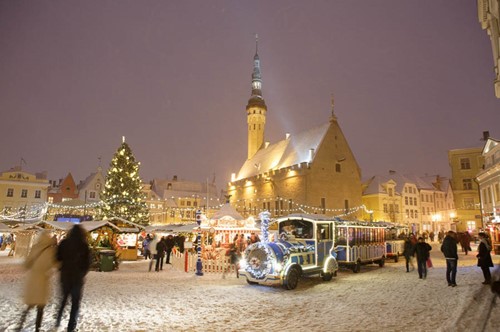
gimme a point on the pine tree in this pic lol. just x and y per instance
(122, 195)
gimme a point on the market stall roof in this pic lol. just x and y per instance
(134, 228)
(90, 226)
(172, 228)
(227, 212)
(25, 227)
(4, 228)
(60, 225)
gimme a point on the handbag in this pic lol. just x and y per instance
(429, 262)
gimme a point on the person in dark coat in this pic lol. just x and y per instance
(465, 242)
(160, 253)
(409, 253)
(169, 245)
(484, 257)
(422, 250)
(74, 255)
(449, 249)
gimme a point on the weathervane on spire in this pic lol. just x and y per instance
(333, 104)
(333, 117)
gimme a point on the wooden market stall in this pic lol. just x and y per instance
(219, 231)
(24, 238)
(126, 239)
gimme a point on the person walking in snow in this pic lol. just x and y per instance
(409, 253)
(484, 257)
(422, 250)
(152, 249)
(40, 262)
(146, 252)
(169, 245)
(74, 254)
(160, 254)
(449, 249)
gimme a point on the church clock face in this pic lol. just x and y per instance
(98, 186)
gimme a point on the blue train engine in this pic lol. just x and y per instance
(302, 247)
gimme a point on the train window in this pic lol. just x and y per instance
(324, 232)
(340, 236)
(297, 228)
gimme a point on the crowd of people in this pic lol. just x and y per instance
(72, 257)
(158, 250)
(419, 248)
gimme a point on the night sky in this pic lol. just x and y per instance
(411, 80)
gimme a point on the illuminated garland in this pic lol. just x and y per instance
(33, 213)
(310, 209)
(264, 228)
(258, 257)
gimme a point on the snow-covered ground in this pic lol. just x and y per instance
(383, 299)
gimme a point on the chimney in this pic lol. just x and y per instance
(438, 182)
(486, 135)
(287, 135)
(266, 144)
(311, 154)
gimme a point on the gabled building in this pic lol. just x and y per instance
(489, 186)
(89, 190)
(421, 203)
(158, 212)
(465, 165)
(182, 198)
(313, 171)
(393, 198)
(23, 195)
(62, 190)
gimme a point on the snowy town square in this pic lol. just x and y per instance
(376, 299)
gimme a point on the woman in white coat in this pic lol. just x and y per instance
(40, 263)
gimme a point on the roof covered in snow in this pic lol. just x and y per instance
(288, 152)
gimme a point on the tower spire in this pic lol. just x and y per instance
(256, 43)
(256, 107)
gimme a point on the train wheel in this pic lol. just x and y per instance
(292, 279)
(327, 276)
(381, 262)
(357, 267)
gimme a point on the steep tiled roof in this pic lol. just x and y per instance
(285, 153)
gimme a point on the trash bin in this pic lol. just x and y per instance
(107, 260)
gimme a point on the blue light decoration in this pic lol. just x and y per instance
(264, 225)
(199, 264)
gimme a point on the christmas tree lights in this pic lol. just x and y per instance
(122, 195)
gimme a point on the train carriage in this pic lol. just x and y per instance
(358, 243)
(394, 240)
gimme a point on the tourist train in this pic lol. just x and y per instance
(306, 245)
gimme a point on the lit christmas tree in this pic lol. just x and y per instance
(122, 195)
